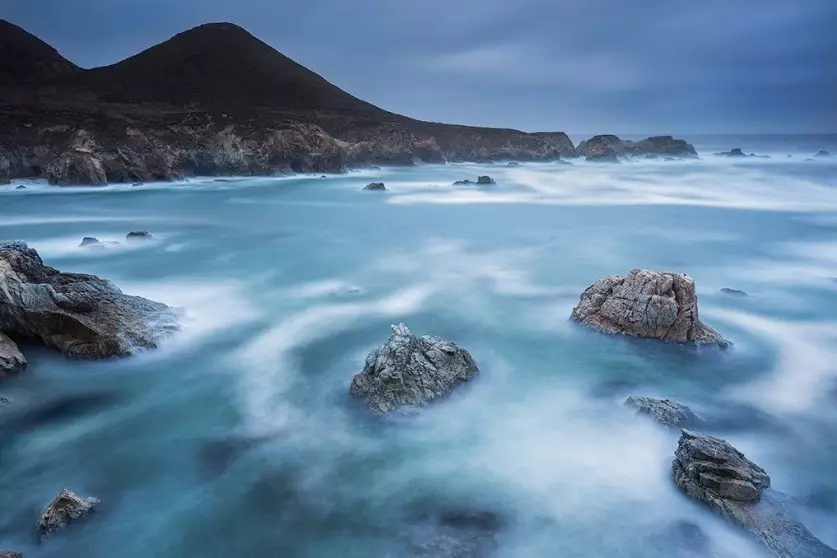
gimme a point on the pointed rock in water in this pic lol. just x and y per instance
(375, 186)
(20, 187)
(712, 471)
(664, 411)
(411, 371)
(650, 304)
(80, 315)
(139, 235)
(89, 241)
(12, 360)
(64, 508)
(733, 292)
(822, 153)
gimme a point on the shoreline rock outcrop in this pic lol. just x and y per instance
(80, 315)
(411, 371)
(12, 361)
(63, 510)
(648, 304)
(712, 471)
(664, 411)
(608, 147)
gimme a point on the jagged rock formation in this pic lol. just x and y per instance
(64, 509)
(411, 371)
(12, 360)
(375, 187)
(213, 100)
(712, 471)
(80, 315)
(609, 147)
(652, 304)
(664, 411)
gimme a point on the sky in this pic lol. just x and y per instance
(583, 66)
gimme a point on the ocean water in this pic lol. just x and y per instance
(237, 437)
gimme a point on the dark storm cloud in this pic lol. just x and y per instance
(601, 65)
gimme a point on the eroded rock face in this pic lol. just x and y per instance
(664, 411)
(64, 509)
(411, 371)
(79, 164)
(80, 315)
(650, 304)
(11, 359)
(712, 471)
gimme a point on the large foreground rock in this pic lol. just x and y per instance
(712, 471)
(64, 508)
(664, 411)
(11, 359)
(411, 371)
(80, 315)
(652, 304)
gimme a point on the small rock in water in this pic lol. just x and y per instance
(21, 187)
(513, 164)
(712, 471)
(375, 186)
(822, 153)
(65, 508)
(650, 304)
(139, 235)
(664, 411)
(411, 371)
(375, 167)
(736, 152)
(137, 184)
(12, 360)
(485, 180)
(734, 292)
(323, 176)
(462, 182)
(89, 241)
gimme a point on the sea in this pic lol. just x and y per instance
(238, 436)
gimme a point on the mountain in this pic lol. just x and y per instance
(212, 100)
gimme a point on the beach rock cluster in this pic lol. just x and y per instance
(80, 315)
(411, 371)
(650, 304)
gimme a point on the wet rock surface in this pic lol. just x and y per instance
(664, 411)
(712, 471)
(63, 510)
(649, 304)
(411, 371)
(80, 315)
(12, 361)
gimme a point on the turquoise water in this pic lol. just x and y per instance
(237, 437)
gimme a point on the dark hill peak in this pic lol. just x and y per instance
(24, 58)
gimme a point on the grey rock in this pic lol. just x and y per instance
(139, 235)
(650, 304)
(822, 153)
(664, 411)
(20, 187)
(512, 164)
(64, 509)
(78, 314)
(411, 371)
(457, 535)
(89, 241)
(485, 180)
(10, 554)
(11, 359)
(606, 155)
(733, 292)
(603, 147)
(375, 186)
(462, 182)
(736, 152)
(80, 164)
(712, 471)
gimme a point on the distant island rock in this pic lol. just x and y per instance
(80, 315)
(738, 153)
(481, 181)
(139, 235)
(650, 304)
(712, 471)
(823, 153)
(602, 147)
(734, 292)
(411, 371)
(375, 187)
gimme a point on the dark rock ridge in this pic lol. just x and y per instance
(733, 292)
(664, 411)
(80, 315)
(605, 147)
(712, 471)
(64, 509)
(213, 100)
(139, 235)
(481, 181)
(652, 304)
(12, 360)
(736, 152)
(375, 186)
(411, 371)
